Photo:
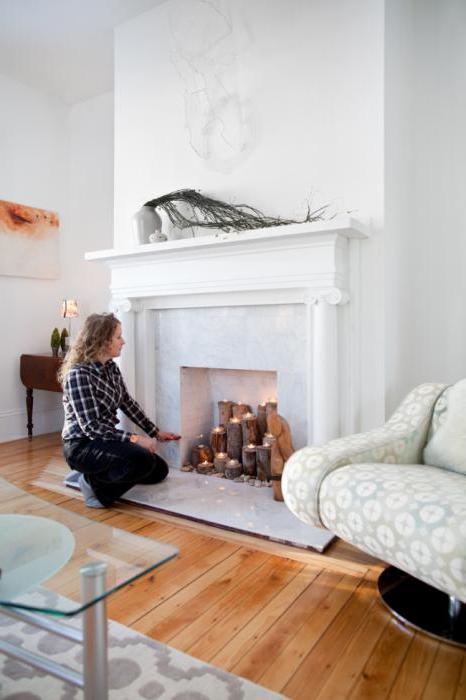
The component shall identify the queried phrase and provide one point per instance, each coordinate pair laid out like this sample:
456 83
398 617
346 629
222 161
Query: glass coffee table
54 565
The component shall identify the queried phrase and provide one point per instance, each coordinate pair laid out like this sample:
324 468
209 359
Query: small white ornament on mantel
157 237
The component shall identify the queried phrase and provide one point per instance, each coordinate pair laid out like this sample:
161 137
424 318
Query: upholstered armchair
376 491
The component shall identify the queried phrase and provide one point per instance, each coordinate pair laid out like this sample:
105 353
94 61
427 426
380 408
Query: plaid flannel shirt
92 395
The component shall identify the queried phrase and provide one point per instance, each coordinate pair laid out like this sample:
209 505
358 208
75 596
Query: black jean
113 467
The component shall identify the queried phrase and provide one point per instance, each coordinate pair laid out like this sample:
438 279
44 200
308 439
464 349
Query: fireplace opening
201 389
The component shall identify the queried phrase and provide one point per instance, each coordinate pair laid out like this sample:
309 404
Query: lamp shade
69 308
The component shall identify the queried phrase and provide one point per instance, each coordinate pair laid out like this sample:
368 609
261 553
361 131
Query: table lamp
69 310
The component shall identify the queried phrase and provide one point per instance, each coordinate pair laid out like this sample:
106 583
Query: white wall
89 214
263 102
33 146
425 200
56 158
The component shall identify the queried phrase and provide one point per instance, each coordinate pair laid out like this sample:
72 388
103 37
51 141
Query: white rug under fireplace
226 504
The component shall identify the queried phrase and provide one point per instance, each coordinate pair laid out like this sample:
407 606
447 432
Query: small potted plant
55 342
64 341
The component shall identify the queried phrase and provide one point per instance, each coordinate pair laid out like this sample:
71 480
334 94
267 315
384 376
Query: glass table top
43 547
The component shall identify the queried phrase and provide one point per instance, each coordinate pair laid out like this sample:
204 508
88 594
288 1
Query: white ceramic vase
146 223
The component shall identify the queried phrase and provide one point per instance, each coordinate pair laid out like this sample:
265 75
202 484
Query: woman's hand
163 437
148 443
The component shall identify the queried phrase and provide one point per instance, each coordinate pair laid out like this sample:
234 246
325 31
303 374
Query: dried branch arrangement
208 212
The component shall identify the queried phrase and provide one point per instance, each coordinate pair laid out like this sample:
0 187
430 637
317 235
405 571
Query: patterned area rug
139 667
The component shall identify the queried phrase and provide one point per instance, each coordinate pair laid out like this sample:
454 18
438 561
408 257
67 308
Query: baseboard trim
13 422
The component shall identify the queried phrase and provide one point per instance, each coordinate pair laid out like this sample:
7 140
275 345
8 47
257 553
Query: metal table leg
94 632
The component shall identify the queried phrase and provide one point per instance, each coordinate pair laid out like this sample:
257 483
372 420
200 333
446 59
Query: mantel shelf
344 226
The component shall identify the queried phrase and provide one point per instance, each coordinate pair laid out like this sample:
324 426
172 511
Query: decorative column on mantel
326 389
137 361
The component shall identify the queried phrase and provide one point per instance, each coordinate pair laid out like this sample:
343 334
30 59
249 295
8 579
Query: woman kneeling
110 460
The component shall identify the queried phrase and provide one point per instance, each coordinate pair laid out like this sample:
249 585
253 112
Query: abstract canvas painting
29 243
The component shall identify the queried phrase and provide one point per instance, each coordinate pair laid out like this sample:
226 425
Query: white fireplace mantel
315 264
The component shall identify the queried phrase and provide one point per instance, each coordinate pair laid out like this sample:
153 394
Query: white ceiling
63 47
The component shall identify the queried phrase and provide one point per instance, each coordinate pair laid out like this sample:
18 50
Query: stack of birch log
246 446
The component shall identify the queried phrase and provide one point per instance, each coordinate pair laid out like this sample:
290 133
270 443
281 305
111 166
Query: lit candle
205 467
261 420
201 453
234 439
249 460
250 429
218 439
233 469
268 439
263 454
220 461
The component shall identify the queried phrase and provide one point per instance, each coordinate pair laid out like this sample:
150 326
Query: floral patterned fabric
372 490
410 515
400 440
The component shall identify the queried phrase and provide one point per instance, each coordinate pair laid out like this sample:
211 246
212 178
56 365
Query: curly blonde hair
97 331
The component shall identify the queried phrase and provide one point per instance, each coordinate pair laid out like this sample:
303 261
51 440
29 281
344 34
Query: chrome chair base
423 607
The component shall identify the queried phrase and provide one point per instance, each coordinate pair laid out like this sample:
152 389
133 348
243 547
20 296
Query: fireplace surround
290 293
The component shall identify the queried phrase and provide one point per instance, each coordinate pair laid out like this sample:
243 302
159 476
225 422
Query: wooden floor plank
191 601
276 650
349 666
150 591
206 635
445 674
415 670
380 671
461 687
247 639
314 651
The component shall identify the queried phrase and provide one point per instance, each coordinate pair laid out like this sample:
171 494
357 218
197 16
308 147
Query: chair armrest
399 441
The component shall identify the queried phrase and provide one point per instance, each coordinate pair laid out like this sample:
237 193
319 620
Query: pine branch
208 212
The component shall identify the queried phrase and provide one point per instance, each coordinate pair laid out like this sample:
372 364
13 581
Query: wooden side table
38 372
